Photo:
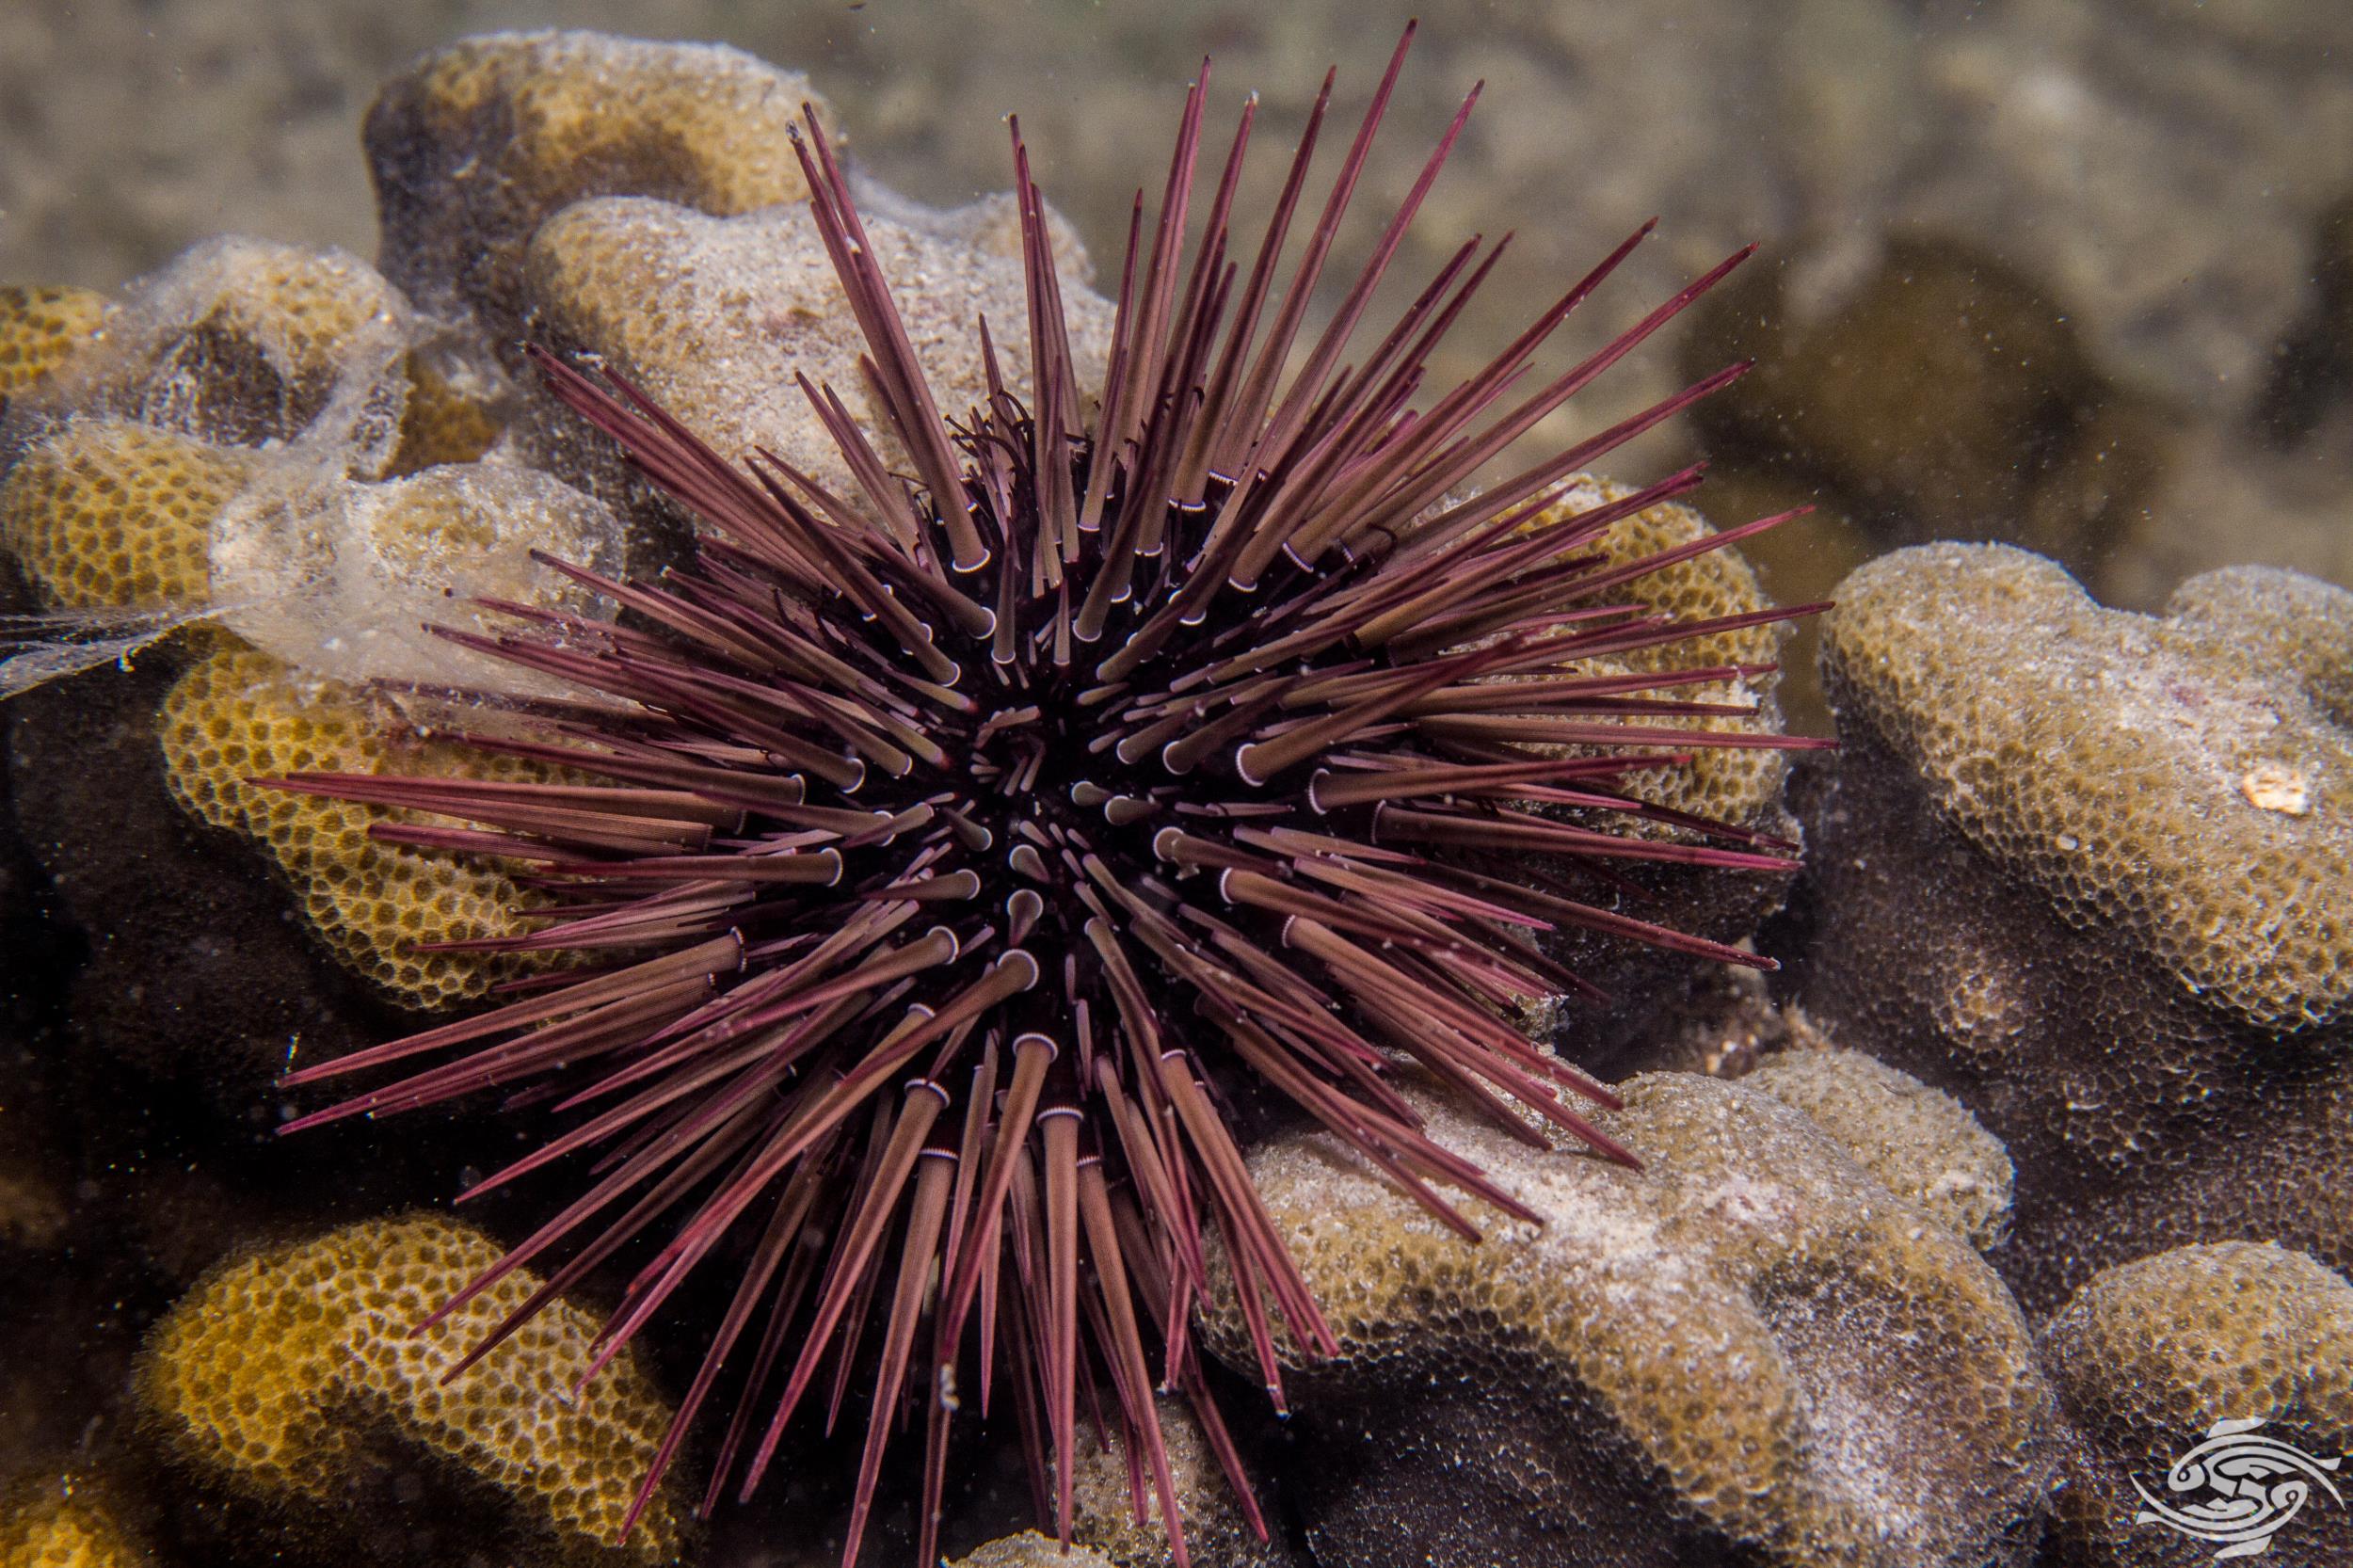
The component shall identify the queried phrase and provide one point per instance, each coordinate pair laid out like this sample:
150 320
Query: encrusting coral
1749 1351
41 328
1918 1142
1218 1531
1032 1550
1939 396
240 714
113 513
2090 872
1646 986
288 1381
2150 1355
58 1521
479 143
695 310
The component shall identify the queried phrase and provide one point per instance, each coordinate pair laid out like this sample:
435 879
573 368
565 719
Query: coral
481 142
41 328
288 1381
1740 786
107 514
1941 396
1651 991
59 1522
1032 1550
698 310
1217 1534
1748 1352
2088 871
1919 1142
240 714
448 417
345 577
2150 1355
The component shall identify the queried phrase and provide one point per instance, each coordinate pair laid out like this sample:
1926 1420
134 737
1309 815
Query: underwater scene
964 782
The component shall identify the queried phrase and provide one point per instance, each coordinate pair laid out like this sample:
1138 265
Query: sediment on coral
1749 1351
2088 872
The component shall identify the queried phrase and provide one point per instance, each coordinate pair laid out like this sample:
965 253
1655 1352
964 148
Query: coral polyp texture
479 144
237 714
61 1522
288 1383
41 328
2151 1355
2089 871
1015 780
1748 1352
112 514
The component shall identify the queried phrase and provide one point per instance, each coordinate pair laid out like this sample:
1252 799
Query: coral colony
961 839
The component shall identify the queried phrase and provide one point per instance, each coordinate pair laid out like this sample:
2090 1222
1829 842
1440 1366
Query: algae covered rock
2151 1355
1750 1352
2090 872
288 1383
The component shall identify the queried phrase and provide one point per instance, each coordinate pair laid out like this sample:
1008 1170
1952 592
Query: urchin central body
963 836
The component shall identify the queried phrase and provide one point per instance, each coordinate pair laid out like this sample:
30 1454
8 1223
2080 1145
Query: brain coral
239 715
1749 1353
2090 872
2149 1355
288 1381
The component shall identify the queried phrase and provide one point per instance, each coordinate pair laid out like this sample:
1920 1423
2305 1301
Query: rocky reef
2014 1181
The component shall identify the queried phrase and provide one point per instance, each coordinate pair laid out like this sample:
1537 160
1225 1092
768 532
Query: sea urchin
963 839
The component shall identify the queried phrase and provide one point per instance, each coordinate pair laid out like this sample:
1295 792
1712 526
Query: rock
2087 871
2151 1358
1940 395
1748 1352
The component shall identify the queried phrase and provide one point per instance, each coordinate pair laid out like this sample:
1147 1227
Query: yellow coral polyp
240 715
106 514
1728 783
41 328
56 1523
286 1374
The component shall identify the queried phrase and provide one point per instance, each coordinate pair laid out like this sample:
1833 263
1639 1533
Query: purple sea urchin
967 833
